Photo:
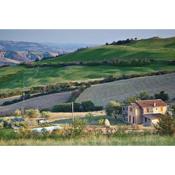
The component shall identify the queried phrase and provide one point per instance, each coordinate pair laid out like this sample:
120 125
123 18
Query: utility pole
73 110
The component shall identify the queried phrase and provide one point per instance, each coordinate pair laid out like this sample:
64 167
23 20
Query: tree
143 96
114 109
130 100
166 125
173 109
32 113
87 106
162 95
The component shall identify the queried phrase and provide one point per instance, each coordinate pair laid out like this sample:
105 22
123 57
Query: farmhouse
146 112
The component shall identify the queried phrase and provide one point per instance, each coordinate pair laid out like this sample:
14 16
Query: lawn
19 76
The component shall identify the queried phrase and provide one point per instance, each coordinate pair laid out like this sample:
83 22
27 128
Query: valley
83 93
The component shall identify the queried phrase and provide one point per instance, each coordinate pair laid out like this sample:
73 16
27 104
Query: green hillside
155 48
155 43
161 50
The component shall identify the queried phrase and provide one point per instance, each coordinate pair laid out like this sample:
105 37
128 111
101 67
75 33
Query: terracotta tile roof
151 103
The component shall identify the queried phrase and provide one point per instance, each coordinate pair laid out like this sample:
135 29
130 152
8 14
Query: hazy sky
80 36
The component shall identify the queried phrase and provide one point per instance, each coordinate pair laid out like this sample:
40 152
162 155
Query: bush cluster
122 42
78 107
166 125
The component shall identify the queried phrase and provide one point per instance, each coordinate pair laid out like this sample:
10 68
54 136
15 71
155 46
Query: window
145 120
133 120
129 118
147 109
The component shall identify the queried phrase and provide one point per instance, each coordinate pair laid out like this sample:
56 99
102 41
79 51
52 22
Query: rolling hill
15 52
119 90
45 72
23 46
154 48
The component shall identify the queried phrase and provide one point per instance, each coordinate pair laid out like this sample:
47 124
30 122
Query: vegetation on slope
159 55
155 48
18 77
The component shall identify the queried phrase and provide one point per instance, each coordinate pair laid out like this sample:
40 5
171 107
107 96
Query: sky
97 36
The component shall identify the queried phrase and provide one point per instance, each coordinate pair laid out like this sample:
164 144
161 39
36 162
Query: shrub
7 124
113 109
65 107
32 113
162 95
143 96
1 125
173 110
8 134
78 107
75 129
45 114
166 125
23 124
89 117
88 106
78 126
101 121
130 100
18 112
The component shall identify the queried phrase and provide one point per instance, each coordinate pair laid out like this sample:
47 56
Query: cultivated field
42 102
19 77
9 99
160 50
119 90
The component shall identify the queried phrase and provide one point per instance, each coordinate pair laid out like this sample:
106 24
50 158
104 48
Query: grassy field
19 76
155 48
161 50
119 90
147 140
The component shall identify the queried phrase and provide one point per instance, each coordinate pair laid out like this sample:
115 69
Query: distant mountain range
23 46
15 52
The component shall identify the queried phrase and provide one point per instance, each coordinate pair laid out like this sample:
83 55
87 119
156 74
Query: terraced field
119 90
42 102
